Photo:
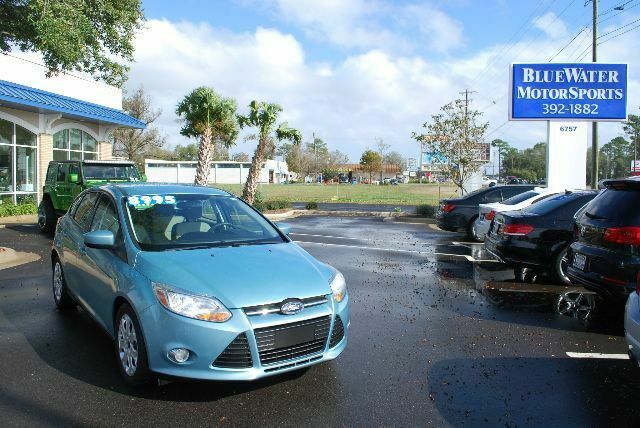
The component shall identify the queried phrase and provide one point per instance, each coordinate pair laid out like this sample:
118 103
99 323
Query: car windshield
110 172
187 221
521 197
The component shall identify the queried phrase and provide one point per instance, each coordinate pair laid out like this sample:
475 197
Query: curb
18 219
386 215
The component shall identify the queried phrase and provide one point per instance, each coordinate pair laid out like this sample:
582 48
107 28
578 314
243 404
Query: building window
18 163
74 144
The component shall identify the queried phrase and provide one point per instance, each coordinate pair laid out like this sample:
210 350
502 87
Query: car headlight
338 287
191 306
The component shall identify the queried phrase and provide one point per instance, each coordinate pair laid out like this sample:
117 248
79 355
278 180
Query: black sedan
459 214
606 255
538 236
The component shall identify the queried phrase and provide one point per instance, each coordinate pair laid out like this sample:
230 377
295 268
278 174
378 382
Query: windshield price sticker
150 200
582 91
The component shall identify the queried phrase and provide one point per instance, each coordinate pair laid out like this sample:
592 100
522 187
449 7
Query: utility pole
466 94
594 125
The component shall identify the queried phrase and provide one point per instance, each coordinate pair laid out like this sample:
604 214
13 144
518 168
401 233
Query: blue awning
25 98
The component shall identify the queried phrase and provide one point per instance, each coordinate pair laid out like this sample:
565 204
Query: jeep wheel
46 216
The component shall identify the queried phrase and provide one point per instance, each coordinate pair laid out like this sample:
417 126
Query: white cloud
551 25
350 102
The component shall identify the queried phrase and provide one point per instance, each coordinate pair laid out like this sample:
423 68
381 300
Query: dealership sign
580 91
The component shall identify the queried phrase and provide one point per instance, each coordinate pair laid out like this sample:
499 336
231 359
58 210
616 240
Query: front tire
64 302
47 217
131 351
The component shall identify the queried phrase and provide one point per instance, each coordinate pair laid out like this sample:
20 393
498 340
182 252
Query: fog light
178 355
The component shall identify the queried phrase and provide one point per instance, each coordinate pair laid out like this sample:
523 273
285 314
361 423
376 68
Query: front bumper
164 330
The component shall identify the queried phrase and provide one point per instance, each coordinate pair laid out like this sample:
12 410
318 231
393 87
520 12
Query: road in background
432 340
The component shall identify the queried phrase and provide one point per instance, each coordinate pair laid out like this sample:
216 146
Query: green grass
403 194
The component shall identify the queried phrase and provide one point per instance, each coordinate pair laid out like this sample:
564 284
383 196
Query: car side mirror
143 177
284 228
100 239
73 178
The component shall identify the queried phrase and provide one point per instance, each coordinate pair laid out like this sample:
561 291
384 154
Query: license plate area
579 261
294 336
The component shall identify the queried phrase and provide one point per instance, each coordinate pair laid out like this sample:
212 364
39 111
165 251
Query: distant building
222 172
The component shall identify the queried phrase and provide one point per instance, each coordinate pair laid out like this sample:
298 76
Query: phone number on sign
570 109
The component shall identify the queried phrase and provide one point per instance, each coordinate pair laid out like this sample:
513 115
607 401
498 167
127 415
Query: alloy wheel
576 305
128 345
57 282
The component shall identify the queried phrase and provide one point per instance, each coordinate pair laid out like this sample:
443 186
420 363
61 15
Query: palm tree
263 116
211 118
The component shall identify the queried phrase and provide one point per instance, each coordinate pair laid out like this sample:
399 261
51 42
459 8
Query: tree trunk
204 154
251 185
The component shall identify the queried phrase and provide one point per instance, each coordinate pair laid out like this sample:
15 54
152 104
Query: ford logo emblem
291 307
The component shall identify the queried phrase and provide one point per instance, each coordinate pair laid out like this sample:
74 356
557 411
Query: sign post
567 96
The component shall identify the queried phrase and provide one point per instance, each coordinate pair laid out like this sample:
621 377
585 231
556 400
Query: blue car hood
240 276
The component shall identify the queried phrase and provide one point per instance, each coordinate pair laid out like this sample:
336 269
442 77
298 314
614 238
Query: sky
351 71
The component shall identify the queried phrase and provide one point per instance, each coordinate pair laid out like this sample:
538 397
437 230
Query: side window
106 216
493 196
74 205
510 192
52 172
74 169
62 173
84 212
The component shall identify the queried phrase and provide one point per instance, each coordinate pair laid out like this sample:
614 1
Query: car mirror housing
101 239
143 177
284 228
73 178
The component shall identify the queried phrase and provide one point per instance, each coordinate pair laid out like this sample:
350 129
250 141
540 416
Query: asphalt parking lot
440 335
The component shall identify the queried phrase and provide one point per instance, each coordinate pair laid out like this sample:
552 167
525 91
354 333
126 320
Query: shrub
311 206
7 210
426 210
263 206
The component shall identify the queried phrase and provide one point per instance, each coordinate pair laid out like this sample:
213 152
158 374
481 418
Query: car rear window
546 206
521 197
616 204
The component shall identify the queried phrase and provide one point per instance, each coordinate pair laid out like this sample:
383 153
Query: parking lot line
362 247
597 355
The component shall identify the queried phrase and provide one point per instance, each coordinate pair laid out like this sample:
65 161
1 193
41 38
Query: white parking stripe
397 250
597 355
362 247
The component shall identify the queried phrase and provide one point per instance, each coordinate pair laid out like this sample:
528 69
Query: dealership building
44 119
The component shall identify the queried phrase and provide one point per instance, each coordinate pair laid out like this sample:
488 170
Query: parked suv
66 179
460 214
606 254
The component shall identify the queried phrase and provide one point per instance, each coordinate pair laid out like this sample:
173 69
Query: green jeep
66 179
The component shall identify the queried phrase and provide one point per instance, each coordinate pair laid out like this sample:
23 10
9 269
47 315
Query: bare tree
134 144
456 134
382 148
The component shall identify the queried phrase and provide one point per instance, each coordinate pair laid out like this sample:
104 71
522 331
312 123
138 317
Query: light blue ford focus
192 282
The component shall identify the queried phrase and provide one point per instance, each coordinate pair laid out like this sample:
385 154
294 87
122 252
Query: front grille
235 356
289 341
338 332
272 308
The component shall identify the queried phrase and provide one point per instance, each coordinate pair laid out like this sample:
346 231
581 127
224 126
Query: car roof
137 189
622 183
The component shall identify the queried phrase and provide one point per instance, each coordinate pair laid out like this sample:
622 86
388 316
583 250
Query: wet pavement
440 335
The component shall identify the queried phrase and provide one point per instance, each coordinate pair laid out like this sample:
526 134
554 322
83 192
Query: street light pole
594 125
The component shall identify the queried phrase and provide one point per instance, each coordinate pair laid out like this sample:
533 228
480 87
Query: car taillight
490 216
623 235
517 229
448 208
